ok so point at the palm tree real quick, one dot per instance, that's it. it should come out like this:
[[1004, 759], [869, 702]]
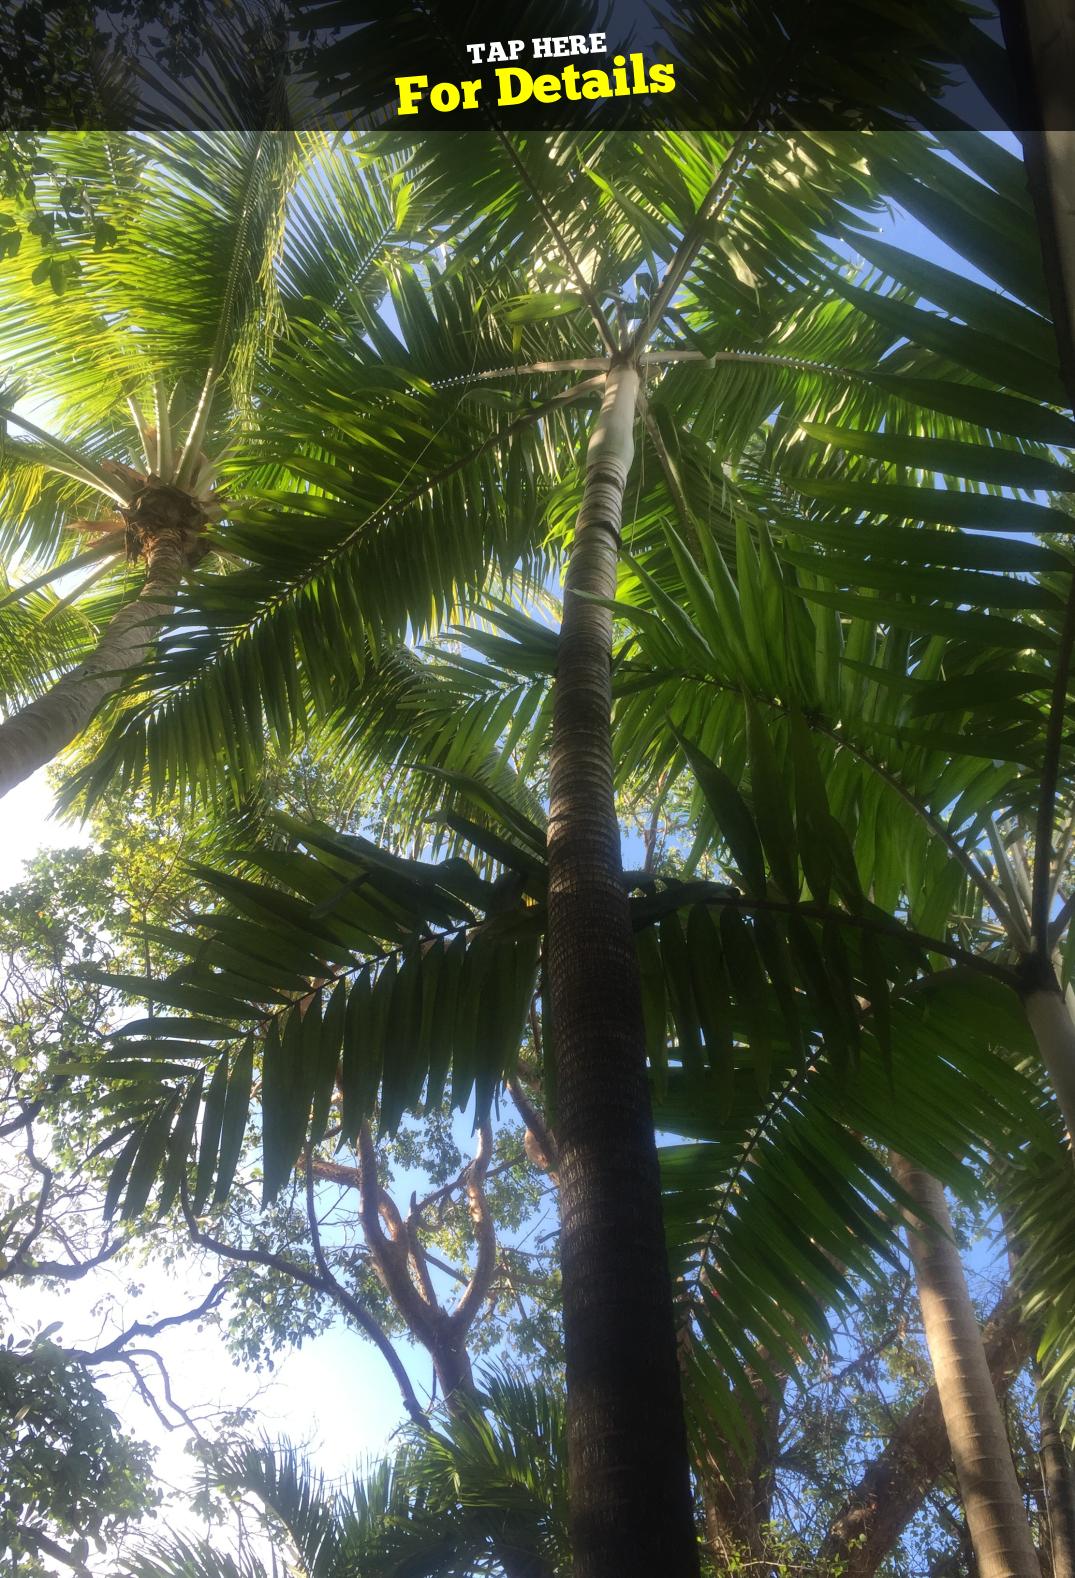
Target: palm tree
[[353, 401], [188, 294], [992, 1499], [617, 1319]]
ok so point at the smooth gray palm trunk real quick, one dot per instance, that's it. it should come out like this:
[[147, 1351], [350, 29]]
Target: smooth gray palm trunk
[[631, 1511], [1049, 1017], [895, 1483], [992, 1501], [38, 733]]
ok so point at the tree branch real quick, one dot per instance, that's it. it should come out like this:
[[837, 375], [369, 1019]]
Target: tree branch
[[391, 1250], [544, 1139], [878, 1509], [113, 1350], [287, 1268], [355, 1308], [461, 1318]]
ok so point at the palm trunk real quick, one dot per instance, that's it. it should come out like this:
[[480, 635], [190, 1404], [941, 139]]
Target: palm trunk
[[990, 1491], [895, 1483], [631, 1512], [1049, 1018], [39, 732], [1057, 1480]]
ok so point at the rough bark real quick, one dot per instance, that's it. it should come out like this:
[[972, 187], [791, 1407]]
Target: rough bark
[[1058, 1484], [37, 734], [915, 1456], [973, 1420], [631, 1511]]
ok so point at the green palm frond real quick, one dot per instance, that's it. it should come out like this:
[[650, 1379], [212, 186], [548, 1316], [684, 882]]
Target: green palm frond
[[778, 1213], [401, 450], [482, 1485]]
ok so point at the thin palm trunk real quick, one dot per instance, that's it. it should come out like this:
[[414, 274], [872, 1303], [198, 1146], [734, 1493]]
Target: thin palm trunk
[[37, 734], [981, 1455], [1049, 1017], [737, 1494], [1057, 1480], [631, 1511], [896, 1482]]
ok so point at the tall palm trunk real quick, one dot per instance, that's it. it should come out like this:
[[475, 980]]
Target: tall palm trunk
[[39, 732], [630, 1497], [1049, 1017], [1059, 1486], [896, 1482], [992, 1501]]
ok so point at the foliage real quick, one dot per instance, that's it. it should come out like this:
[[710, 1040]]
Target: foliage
[[485, 1484], [71, 1477]]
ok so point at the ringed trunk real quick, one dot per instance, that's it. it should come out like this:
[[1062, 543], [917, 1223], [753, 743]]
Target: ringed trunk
[[1050, 1021], [631, 1509], [992, 1501], [38, 733]]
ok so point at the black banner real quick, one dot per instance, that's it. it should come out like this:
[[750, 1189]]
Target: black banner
[[404, 66]]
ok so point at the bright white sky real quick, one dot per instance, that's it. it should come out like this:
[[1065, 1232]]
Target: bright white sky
[[335, 1394]]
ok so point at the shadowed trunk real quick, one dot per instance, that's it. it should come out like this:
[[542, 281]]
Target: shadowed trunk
[[981, 1455], [917, 1453], [1059, 1486], [1039, 37], [631, 1511], [38, 733], [738, 1495]]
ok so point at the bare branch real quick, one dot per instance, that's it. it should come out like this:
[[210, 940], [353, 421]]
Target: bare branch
[[300, 1273], [470, 1300], [69, 1271], [917, 1452], [391, 1250], [114, 1349], [354, 1306]]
